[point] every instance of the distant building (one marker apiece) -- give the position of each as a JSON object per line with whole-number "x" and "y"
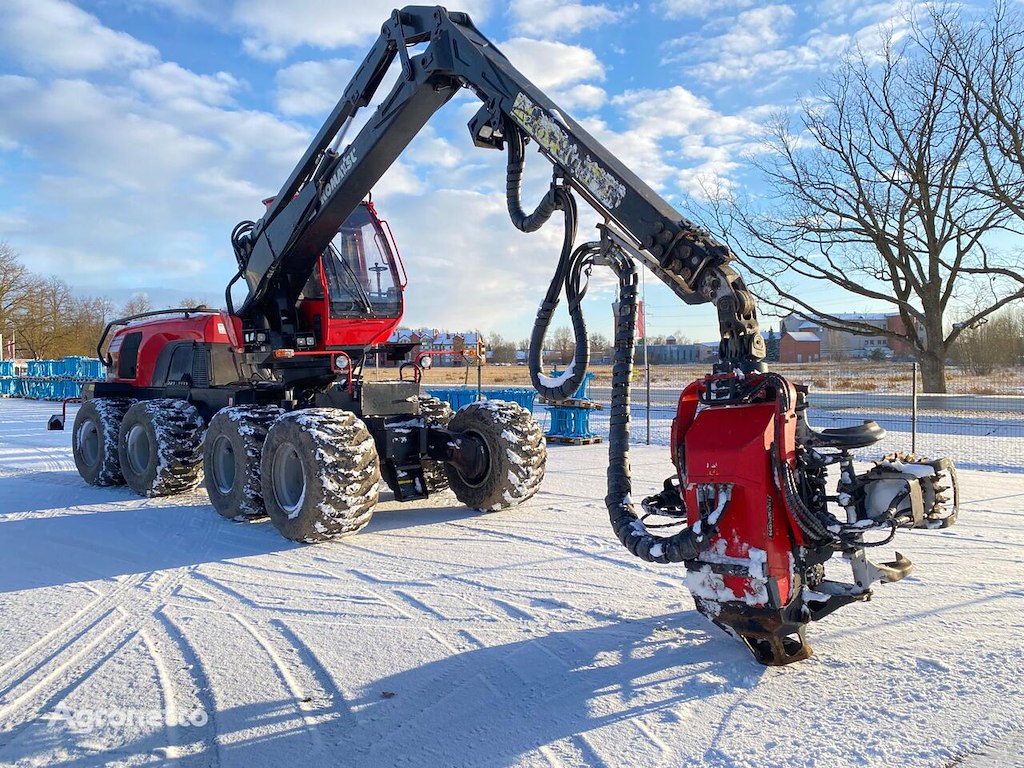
{"x": 799, "y": 347}
{"x": 671, "y": 353}
{"x": 838, "y": 345}
{"x": 446, "y": 348}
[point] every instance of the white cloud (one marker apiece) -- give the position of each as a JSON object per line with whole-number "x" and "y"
{"x": 429, "y": 149}
{"x": 676, "y": 140}
{"x": 55, "y": 35}
{"x": 676, "y": 9}
{"x": 168, "y": 82}
{"x": 756, "y": 46}
{"x": 203, "y": 10}
{"x": 274, "y": 28}
{"x": 754, "y": 30}
{"x": 479, "y": 271}
{"x": 552, "y": 65}
{"x": 747, "y": 45}
{"x": 583, "y": 97}
{"x": 845, "y": 13}
{"x": 312, "y": 87}
{"x": 554, "y": 18}
{"x": 150, "y": 180}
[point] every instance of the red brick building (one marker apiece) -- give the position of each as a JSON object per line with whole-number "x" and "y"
{"x": 799, "y": 347}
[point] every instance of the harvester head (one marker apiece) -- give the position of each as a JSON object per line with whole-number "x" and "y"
{"x": 748, "y": 461}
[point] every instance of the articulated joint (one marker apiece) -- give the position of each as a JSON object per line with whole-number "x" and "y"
{"x": 741, "y": 346}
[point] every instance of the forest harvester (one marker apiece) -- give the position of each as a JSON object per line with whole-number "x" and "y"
{"x": 266, "y": 400}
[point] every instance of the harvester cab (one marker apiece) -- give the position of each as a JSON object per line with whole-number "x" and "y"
{"x": 354, "y": 296}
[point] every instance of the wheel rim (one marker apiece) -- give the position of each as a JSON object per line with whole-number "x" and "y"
{"x": 289, "y": 480}
{"x": 474, "y": 471}
{"x": 89, "y": 443}
{"x": 139, "y": 448}
{"x": 223, "y": 464}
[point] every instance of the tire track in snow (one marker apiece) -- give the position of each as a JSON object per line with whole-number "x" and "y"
{"x": 202, "y": 691}
{"x": 130, "y": 608}
{"x": 603, "y": 559}
{"x": 43, "y": 673}
{"x": 137, "y": 619}
{"x": 168, "y": 693}
{"x": 26, "y": 695}
{"x": 320, "y": 677}
{"x": 307, "y": 681}
{"x": 51, "y": 645}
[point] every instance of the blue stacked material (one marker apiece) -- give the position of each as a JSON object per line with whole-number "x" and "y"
{"x": 457, "y": 397}
{"x": 6, "y": 378}
{"x": 570, "y": 419}
{"x": 522, "y": 395}
{"x": 50, "y": 379}
{"x": 583, "y": 391}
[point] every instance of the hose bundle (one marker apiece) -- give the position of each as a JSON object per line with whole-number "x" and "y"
{"x": 688, "y": 543}
{"x": 572, "y": 265}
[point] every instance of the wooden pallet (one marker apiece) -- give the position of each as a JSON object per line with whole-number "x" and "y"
{"x": 587, "y": 405}
{"x": 565, "y": 440}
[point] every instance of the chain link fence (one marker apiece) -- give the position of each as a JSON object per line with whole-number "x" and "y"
{"x": 979, "y": 422}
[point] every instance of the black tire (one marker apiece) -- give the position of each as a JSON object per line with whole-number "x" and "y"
{"x": 94, "y": 440}
{"x": 160, "y": 447}
{"x": 231, "y": 459}
{"x": 516, "y": 455}
{"x": 320, "y": 474}
{"x": 435, "y": 413}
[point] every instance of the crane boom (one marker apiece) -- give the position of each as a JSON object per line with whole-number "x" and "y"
{"x": 282, "y": 249}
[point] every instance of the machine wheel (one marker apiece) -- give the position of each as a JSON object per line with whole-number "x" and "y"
{"x": 231, "y": 459}
{"x": 436, "y": 413}
{"x": 516, "y": 455}
{"x": 320, "y": 474}
{"x": 160, "y": 446}
{"x": 94, "y": 440}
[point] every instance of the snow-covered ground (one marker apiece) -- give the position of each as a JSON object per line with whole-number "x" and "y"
{"x": 439, "y": 637}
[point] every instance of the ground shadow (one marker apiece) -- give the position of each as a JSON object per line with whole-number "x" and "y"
{"x": 484, "y": 707}
{"x": 112, "y": 531}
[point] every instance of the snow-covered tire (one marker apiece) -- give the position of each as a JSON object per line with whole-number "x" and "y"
{"x": 231, "y": 459}
{"x": 516, "y": 455}
{"x": 435, "y": 413}
{"x": 160, "y": 447}
{"x": 320, "y": 474}
{"x": 94, "y": 440}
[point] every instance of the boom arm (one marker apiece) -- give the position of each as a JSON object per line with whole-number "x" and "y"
{"x": 277, "y": 254}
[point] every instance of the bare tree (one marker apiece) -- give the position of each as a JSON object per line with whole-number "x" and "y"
{"x": 996, "y": 343}
{"x": 88, "y": 316}
{"x": 563, "y": 344}
{"x": 502, "y": 350}
{"x": 138, "y": 303}
{"x": 599, "y": 345}
{"x": 15, "y": 283}
{"x": 836, "y": 341}
{"x": 877, "y": 193}
{"x": 189, "y": 301}
{"x": 44, "y": 315}
{"x": 42, "y": 321}
{"x": 987, "y": 61}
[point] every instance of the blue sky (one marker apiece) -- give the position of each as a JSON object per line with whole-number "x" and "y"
{"x": 134, "y": 134}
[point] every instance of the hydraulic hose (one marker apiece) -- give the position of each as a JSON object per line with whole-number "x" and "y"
{"x": 688, "y": 543}
{"x": 567, "y": 273}
{"x": 819, "y": 526}
{"x": 514, "y": 181}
